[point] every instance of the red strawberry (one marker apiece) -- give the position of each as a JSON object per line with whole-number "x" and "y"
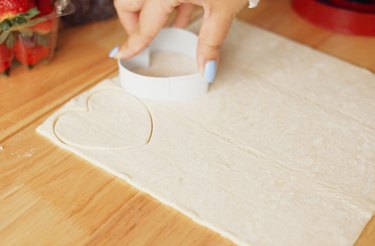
{"x": 10, "y": 8}
{"x": 6, "y": 57}
{"x": 30, "y": 54}
{"x": 45, "y": 7}
{"x": 44, "y": 27}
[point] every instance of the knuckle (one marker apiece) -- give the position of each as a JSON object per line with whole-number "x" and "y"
{"x": 206, "y": 46}
{"x": 209, "y": 45}
{"x": 168, "y": 5}
{"x": 209, "y": 42}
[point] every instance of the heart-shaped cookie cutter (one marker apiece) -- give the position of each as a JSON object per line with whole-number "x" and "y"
{"x": 177, "y": 88}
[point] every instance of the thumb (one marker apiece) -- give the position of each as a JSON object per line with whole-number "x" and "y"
{"x": 214, "y": 29}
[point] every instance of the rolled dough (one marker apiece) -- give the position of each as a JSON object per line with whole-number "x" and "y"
{"x": 280, "y": 152}
{"x": 128, "y": 124}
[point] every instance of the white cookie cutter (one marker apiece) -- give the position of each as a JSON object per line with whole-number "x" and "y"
{"x": 176, "y": 88}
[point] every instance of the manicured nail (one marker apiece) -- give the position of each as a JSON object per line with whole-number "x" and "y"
{"x": 210, "y": 71}
{"x": 114, "y": 52}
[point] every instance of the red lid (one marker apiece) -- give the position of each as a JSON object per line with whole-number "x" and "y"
{"x": 366, "y": 6}
{"x": 339, "y": 15}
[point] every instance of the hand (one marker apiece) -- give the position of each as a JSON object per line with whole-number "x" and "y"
{"x": 143, "y": 19}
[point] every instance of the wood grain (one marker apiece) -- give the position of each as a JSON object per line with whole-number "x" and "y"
{"x": 50, "y": 197}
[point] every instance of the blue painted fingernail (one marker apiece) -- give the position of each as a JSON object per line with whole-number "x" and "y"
{"x": 210, "y": 71}
{"x": 113, "y": 53}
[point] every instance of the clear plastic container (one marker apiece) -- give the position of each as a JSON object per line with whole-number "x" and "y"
{"x": 34, "y": 42}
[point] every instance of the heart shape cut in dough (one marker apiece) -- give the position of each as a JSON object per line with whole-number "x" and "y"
{"x": 113, "y": 120}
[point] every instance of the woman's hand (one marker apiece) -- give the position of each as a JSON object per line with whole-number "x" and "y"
{"x": 143, "y": 19}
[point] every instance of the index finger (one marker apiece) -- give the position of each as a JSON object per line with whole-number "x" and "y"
{"x": 153, "y": 16}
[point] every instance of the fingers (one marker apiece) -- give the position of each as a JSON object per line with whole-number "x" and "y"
{"x": 215, "y": 27}
{"x": 184, "y": 12}
{"x": 143, "y": 26}
{"x": 152, "y": 18}
{"x": 128, "y": 13}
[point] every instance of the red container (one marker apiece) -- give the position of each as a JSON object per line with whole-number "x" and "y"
{"x": 368, "y": 7}
{"x": 339, "y": 15}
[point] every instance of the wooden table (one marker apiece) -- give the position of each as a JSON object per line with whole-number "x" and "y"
{"x": 51, "y": 197}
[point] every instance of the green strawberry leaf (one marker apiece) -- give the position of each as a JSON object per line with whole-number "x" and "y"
{"x": 31, "y": 13}
{"x": 4, "y": 36}
{"x": 10, "y": 41}
{"x": 26, "y": 16}
{"x": 4, "y": 25}
{"x": 19, "y": 19}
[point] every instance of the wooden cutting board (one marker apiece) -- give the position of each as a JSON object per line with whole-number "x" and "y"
{"x": 49, "y": 196}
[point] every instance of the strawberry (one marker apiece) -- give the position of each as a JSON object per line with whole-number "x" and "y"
{"x": 11, "y": 8}
{"x": 6, "y": 57}
{"x": 45, "y": 7}
{"x": 30, "y": 53}
{"x": 45, "y": 27}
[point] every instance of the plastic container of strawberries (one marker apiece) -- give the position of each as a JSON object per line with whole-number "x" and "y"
{"x": 32, "y": 42}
